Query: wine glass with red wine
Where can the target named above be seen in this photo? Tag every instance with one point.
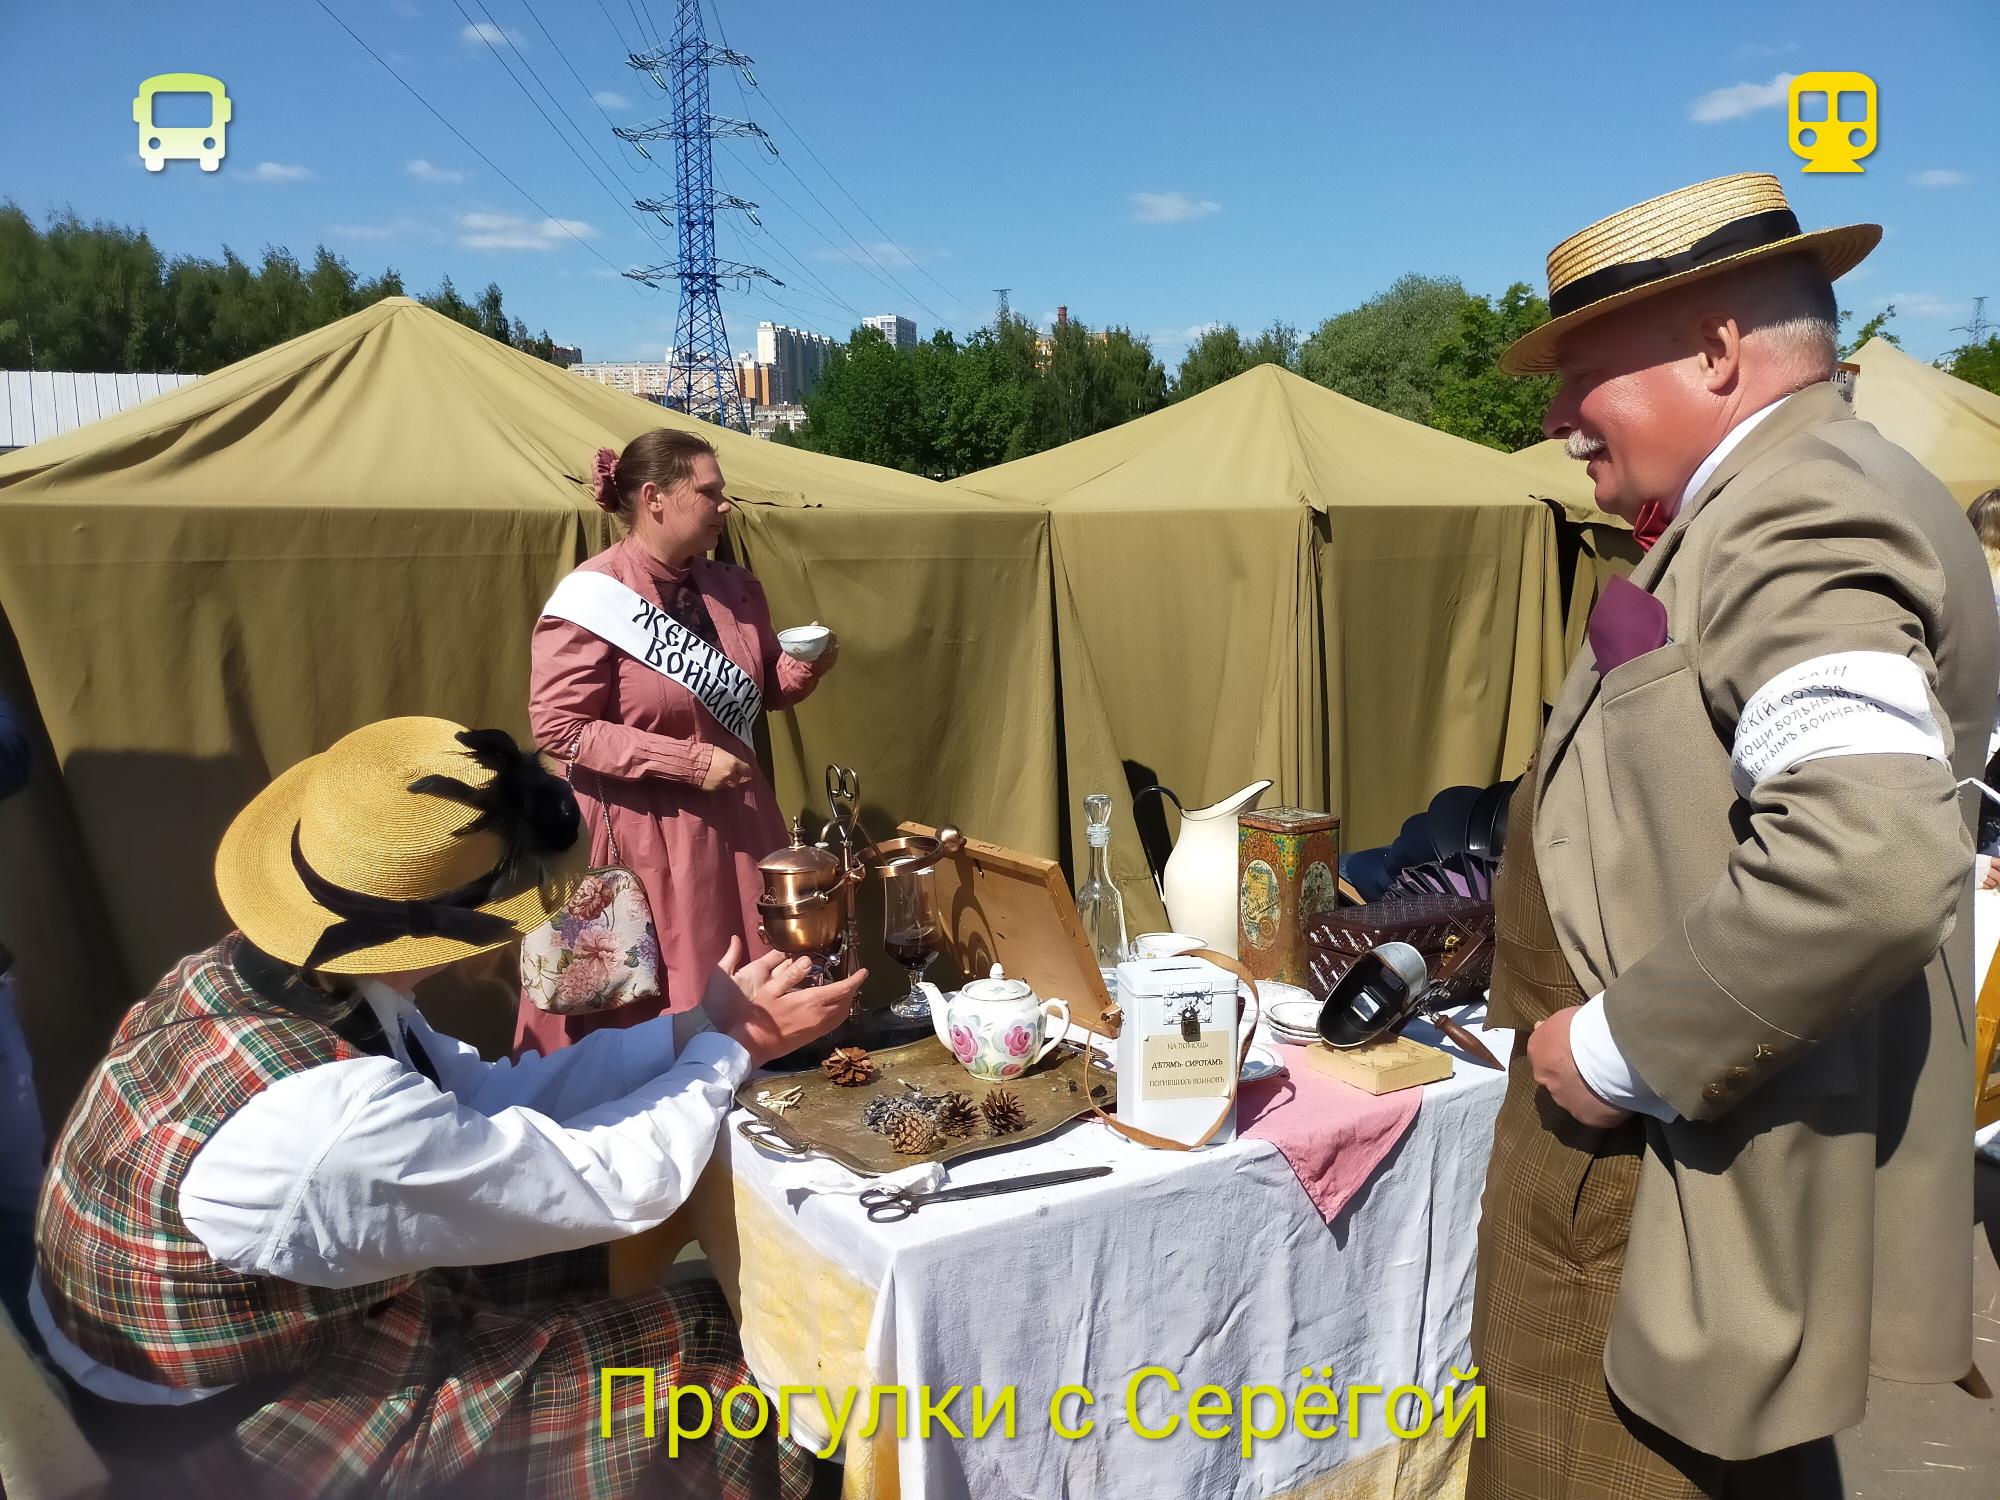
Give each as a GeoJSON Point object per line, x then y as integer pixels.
{"type": "Point", "coordinates": [911, 935]}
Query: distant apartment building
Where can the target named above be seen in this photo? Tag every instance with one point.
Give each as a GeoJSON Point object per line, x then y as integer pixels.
{"type": "Point", "coordinates": [787, 365]}
{"type": "Point", "coordinates": [635, 377]}
{"type": "Point", "coordinates": [901, 332]}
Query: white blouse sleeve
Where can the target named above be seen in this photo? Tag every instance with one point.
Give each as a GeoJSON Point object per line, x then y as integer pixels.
{"type": "Point", "coordinates": [360, 1170]}
{"type": "Point", "coordinates": [604, 1065]}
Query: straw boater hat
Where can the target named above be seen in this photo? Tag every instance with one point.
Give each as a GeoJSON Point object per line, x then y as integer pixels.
{"type": "Point", "coordinates": [409, 843]}
{"type": "Point", "coordinates": [1670, 240]}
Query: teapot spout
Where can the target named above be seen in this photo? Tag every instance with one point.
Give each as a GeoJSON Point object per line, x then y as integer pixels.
{"type": "Point", "coordinates": [937, 1010]}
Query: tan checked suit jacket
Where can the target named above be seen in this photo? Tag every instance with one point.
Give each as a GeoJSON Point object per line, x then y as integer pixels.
{"type": "Point", "coordinates": [1791, 970]}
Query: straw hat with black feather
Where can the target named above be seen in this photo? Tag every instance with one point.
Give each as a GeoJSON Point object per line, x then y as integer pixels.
{"type": "Point", "coordinates": [407, 844]}
{"type": "Point", "coordinates": [1671, 240]}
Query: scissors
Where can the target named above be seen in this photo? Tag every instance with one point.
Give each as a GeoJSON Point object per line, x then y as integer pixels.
{"type": "Point", "coordinates": [888, 1206]}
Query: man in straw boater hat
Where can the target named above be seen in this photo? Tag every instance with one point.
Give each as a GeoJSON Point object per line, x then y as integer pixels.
{"type": "Point", "coordinates": [295, 1242]}
{"type": "Point", "coordinates": [1731, 1177]}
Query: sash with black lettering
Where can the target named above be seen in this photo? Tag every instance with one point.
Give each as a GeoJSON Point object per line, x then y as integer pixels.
{"type": "Point", "coordinates": [635, 625]}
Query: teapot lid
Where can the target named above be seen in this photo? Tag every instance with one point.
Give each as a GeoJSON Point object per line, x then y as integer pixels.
{"type": "Point", "coordinates": [800, 858]}
{"type": "Point", "coordinates": [997, 986]}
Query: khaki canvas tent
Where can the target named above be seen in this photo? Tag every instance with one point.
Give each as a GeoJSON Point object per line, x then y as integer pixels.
{"type": "Point", "coordinates": [1595, 543]}
{"type": "Point", "coordinates": [364, 522]}
{"type": "Point", "coordinates": [1271, 580]}
{"type": "Point", "coordinates": [1950, 425]}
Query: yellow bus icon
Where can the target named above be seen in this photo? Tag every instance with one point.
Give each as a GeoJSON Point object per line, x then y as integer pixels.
{"type": "Point", "coordinates": [1832, 120]}
{"type": "Point", "coordinates": [160, 144]}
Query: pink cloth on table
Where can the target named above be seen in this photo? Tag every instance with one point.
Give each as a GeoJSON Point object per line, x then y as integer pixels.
{"type": "Point", "coordinates": [643, 744]}
{"type": "Point", "coordinates": [1333, 1135]}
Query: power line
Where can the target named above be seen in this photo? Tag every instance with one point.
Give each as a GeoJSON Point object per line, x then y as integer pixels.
{"type": "Point", "coordinates": [493, 165]}
{"type": "Point", "coordinates": [525, 5]}
{"type": "Point", "coordinates": [611, 192]}
{"type": "Point", "coordinates": [936, 316]}
{"type": "Point", "coordinates": [616, 32]}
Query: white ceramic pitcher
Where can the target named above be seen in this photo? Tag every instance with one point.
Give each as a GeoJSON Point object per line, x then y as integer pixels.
{"type": "Point", "coordinates": [1199, 883]}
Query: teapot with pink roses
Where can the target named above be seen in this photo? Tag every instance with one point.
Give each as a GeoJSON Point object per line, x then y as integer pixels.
{"type": "Point", "coordinates": [997, 1027]}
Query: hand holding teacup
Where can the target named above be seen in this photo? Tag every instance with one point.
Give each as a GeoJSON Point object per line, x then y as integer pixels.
{"type": "Point", "coordinates": [814, 644]}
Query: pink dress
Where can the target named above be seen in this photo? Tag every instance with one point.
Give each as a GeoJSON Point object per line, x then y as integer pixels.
{"type": "Point", "coordinates": [643, 744]}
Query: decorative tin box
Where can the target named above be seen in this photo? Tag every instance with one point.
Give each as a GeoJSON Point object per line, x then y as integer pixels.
{"type": "Point", "coordinates": [1287, 873]}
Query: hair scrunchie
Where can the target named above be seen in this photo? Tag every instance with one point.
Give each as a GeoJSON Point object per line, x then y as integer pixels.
{"type": "Point", "coordinates": [604, 479]}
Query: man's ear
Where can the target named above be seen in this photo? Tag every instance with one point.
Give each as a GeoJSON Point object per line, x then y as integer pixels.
{"type": "Point", "coordinates": [1718, 345]}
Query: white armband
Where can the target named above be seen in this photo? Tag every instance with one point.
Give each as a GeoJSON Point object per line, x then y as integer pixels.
{"type": "Point", "coordinates": [1846, 703]}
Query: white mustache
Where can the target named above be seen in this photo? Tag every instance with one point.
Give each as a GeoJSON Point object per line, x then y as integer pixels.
{"type": "Point", "coordinates": [1583, 448]}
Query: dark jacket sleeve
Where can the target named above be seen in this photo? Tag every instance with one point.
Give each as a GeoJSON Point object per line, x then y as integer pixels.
{"type": "Point", "coordinates": [13, 750]}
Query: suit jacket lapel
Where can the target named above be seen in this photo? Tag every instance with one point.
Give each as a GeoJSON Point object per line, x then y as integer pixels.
{"type": "Point", "coordinates": [1810, 407]}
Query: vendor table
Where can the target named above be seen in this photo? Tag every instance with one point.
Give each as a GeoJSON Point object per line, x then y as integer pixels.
{"type": "Point", "coordinates": [1213, 1265]}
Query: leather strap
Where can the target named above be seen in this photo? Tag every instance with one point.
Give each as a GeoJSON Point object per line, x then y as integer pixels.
{"type": "Point", "coordinates": [1167, 1143]}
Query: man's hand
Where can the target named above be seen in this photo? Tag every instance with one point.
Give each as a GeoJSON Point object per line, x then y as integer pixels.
{"type": "Point", "coordinates": [1555, 1070]}
{"type": "Point", "coordinates": [1986, 872]}
{"type": "Point", "coordinates": [757, 1005]}
{"type": "Point", "coordinates": [724, 770]}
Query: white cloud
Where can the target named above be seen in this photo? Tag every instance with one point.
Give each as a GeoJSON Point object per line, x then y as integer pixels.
{"type": "Point", "coordinates": [1927, 305]}
{"type": "Point", "coordinates": [423, 171]}
{"type": "Point", "coordinates": [1170, 208]}
{"type": "Point", "coordinates": [1740, 99]}
{"type": "Point", "coordinates": [1941, 177]}
{"type": "Point", "coordinates": [493, 36]}
{"type": "Point", "coordinates": [514, 232]}
{"type": "Point", "coordinates": [877, 253]}
{"type": "Point", "coordinates": [1184, 337]}
{"type": "Point", "coordinates": [275, 171]}
{"type": "Point", "coordinates": [396, 229]}
{"type": "Point", "coordinates": [611, 99]}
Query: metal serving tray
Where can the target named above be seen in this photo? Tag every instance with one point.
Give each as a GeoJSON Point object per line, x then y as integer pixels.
{"type": "Point", "coordinates": [827, 1119]}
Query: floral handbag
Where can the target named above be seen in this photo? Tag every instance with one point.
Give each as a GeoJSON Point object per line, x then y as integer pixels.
{"type": "Point", "coordinates": [601, 951]}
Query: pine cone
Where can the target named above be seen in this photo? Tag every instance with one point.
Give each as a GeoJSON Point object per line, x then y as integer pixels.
{"type": "Point", "coordinates": [1003, 1111]}
{"type": "Point", "coordinates": [883, 1111]}
{"type": "Point", "coordinates": [954, 1113]}
{"type": "Point", "coordinates": [849, 1067]}
{"type": "Point", "coordinates": [913, 1134]}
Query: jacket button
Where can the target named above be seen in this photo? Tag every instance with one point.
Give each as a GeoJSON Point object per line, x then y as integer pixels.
{"type": "Point", "coordinates": [1715, 1093]}
{"type": "Point", "coordinates": [1737, 1075]}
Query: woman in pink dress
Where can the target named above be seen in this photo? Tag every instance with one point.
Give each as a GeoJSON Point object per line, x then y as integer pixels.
{"type": "Point", "coordinates": [650, 663]}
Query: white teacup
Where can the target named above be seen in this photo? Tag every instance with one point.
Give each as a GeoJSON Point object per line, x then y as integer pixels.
{"type": "Point", "coordinates": [804, 642]}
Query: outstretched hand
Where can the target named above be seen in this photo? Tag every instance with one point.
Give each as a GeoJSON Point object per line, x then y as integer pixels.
{"type": "Point", "coordinates": [760, 1005]}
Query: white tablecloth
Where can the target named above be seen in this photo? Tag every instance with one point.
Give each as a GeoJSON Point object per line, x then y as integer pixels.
{"type": "Point", "coordinates": [1213, 1264]}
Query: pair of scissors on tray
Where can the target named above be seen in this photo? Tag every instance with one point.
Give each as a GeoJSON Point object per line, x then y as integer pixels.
{"type": "Point", "coordinates": [889, 1205]}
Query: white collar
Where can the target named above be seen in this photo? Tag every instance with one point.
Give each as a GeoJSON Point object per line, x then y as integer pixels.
{"type": "Point", "coordinates": [390, 1006]}
{"type": "Point", "coordinates": [1722, 450]}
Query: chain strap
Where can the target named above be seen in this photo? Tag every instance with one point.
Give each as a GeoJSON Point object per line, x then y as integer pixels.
{"type": "Point", "coordinates": [569, 773]}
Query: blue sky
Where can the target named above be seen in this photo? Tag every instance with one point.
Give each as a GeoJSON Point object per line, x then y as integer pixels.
{"type": "Point", "coordinates": [1162, 165]}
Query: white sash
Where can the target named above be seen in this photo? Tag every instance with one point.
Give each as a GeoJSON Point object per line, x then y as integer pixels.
{"type": "Point", "coordinates": [635, 625]}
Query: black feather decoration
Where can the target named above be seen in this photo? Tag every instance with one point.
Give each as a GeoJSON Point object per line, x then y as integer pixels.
{"type": "Point", "coordinates": [533, 811]}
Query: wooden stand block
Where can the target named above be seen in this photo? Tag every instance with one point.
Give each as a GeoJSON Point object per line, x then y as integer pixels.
{"type": "Point", "coordinates": [1382, 1067]}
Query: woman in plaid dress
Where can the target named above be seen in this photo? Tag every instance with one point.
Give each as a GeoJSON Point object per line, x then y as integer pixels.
{"type": "Point", "coordinates": [294, 1242]}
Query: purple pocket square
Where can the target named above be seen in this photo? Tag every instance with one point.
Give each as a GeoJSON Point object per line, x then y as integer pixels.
{"type": "Point", "coordinates": [1626, 622]}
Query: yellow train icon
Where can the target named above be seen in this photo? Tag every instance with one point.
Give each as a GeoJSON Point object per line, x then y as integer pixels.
{"type": "Point", "coordinates": [160, 144]}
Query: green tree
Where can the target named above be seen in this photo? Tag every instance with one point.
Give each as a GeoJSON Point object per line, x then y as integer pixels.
{"type": "Point", "coordinates": [1382, 351]}
{"type": "Point", "coordinates": [76, 296]}
{"type": "Point", "coordinates": [866, 405]}
{"type": "Point", "coordinates": [1472, 398]}
{"type": "Point", "coordinates": [1875, 327]}
{"type": "Point", "coordinates": [1978, 364]}
{"type": "Point", "coordinates": [1095, 380]}
{"type": "Point", "coordinates": [1221, 354]}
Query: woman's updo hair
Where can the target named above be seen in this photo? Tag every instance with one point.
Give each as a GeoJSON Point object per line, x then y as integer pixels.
{"type": "Point", "coordinates": [663, 457]}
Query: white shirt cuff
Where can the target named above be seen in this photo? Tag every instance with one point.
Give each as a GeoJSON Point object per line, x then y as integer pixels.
{"type": "Point", "coordinates": [1604, 1067]}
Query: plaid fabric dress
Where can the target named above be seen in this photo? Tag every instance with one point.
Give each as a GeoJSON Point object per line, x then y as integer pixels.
{"type": "Point", "coordinates": [1552, 1233]}
{"type": "Point", "coordinates": [467, 1381]}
